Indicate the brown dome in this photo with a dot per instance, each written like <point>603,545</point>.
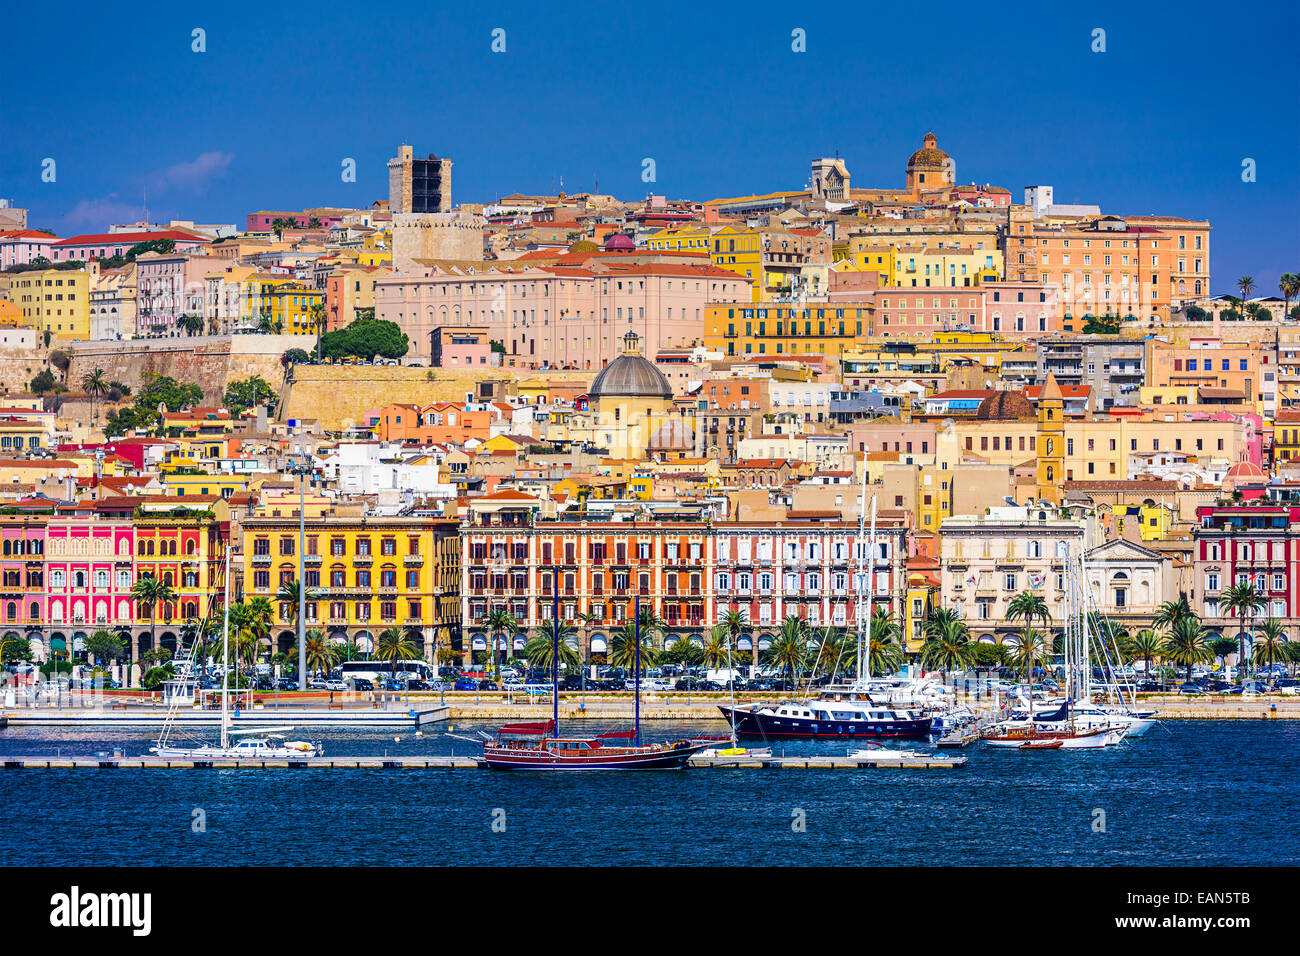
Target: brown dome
<point>1005,406</point>
<point>928,155</point>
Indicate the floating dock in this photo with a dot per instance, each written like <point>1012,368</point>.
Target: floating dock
<point>416,715</point>
<point>876,761</point>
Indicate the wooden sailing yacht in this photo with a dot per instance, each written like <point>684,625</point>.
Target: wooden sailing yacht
<point>537,746</point>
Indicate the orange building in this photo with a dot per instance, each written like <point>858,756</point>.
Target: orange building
<point>437,423</point>
<point>1140,265</point>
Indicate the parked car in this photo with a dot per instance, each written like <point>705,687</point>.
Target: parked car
<point>361,683</point>
<point>465,683</point>
<point>318,683</point>
<point>1191,689</point>
<point>335,684</point>
<point>486,684</point>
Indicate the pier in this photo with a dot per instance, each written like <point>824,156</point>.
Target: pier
<point>883,760</point>
<point>377,714</point>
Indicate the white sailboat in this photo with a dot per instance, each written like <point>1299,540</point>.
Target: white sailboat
<point>261,743</point>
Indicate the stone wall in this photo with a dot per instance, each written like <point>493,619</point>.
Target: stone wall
<point>212,362</point>
<point>339,395</point>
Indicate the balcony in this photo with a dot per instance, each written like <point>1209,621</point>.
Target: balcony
<point>311,559</point>
<point>261,560</point>
<point>413,560</point>
<point>365,559</point>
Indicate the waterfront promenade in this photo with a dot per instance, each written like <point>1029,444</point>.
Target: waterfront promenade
<point>418,709</point>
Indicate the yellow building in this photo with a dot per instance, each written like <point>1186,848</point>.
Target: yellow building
<point>777,261</point>
<point>681,239</point>
<point>363,575</point>
<point>183,484</point>
<point>56,301</point>
<point>813,329</point>
<point>290,306</point>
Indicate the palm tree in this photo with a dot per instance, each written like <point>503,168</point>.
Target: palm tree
<point>500,622</point>
<point>1243,600</point>
<point>789,652</point>
<point>318,316</point>
<point>623,647</point>
<point>1288,283</point>
<point>1272,643</point>
<point>1035,647</point>
<point>540,651</point>
<point>840,652</point>
<point>734,622</point>
<point>1246,285</point>
<point>395,645</point>
<point>1028,607</point>
<point>717,647</point>
<point>1169,613</point>
<point>1144,646</point>
<point>94,384</point>
<point>321,655</point>
<point>947,644</point>
<point>884,655</point>
<point>288,596</point>
<point>149,592</point>
<point>1188,643</point>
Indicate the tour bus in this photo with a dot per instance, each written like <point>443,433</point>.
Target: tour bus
<point>382,670</point>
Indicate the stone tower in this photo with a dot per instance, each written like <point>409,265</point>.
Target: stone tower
<point>418,185</point>
<point>1051,441</point>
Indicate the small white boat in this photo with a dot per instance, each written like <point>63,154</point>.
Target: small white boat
<point>258,744</point>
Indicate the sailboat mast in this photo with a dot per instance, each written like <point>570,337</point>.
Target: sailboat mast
<point>225,650</point>
<point>636,673</point>
<point>858,548</point>
<point>555,651</point>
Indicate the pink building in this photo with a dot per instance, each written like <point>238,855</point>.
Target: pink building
<point>169,286</point>
<point>22,570</point>
<point>562,316</point>
<point>89,571</point>
<point>104,245</point>
<point>1007,308</point>
<point>463,347</point>
<point>906,438</point>
<point>20,246</point>
<point>261,220</point>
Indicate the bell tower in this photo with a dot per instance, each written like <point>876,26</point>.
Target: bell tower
<point>1051,441</point>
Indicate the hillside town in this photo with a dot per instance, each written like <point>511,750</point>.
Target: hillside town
<point>454,423</point>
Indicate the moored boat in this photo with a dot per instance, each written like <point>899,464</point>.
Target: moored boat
<point>827,717</point>
<point>533,746</point>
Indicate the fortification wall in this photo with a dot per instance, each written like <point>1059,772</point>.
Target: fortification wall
<point>212,362</point>
<point>339,395</point>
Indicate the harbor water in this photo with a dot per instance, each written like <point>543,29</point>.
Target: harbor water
<point>1189,793</point>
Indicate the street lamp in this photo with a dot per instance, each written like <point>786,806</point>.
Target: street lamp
<point>302,466</point>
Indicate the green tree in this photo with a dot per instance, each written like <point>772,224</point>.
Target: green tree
<point>94,384</point>
<point>248,393</point>
<point>947,644</point>
<point>365,339</point>
<point>1243,600</point>
<point>395,645</point>
<point>191,323</point>
<point>682,651</point>
<point>1034,648</point>
<point>44,381</point>
<point>885,655</point>
<point>149,592</point>
<point>500,622</point>
<point>623,647</point>
<point>1270,644</point>
<point>106,646</point>
<point>1187,644</point>
<point>540,651</point>
<point>1145,646</point>
<point>1288,283</point>
<point>790,652</point>
<point>1246,285</point>
<point>1169,613</point>
<point>717,647</point>
<point>1222,647</point>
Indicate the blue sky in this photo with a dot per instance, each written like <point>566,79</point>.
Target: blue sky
<point>1159,123</point>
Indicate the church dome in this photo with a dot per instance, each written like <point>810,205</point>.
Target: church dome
<point>1246,470</point>
<point>630,376</point>
<point>620,242</point>
<point>929,154</point>
<point>1005,406</point>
